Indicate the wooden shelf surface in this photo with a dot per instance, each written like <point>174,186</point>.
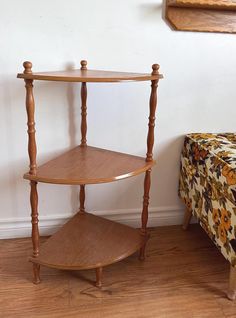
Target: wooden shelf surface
<point>204,4</point>
<point>202,15</point>
<point>89,165</point>
<point>89,76</point>
<point>88,241</point>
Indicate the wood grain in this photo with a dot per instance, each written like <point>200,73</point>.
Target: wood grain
<point>149,157</point>
<point>204,4</point>
<point>144,217</point>
<point>152,112</point>
<point>88,241</point>
<point>89,76</point>
<point>184,276</point>
<point>30,109</point>
<point>201,18</point>
<point>83,127</point>
<point>35,229</point>
<point>82,198</point>
<point>89,165</point>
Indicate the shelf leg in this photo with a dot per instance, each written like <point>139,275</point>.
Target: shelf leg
<point>83,126</point>
<point>36,273</point>
<point>187,219</point>
<point>147,184</point>
<point>35,230</point>
<point>98,277</point>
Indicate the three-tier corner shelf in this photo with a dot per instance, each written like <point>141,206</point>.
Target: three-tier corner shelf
<point>87,241</point>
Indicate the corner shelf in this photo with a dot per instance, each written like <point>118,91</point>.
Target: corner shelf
<point>87,241</point>
<point>202,15</point>
<point>90,165</point>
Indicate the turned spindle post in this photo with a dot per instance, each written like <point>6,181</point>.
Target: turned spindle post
<point>35,230</point>
<point>30,108</point>
<point>149,157</point>
<point>98,277</point>
<point>152,112</point>
<point>82,198</point>
<point>83,128</point>
<point>83,107</point>
<point>32,151</point>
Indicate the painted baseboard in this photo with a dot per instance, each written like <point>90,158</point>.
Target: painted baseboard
<point>161,216</point>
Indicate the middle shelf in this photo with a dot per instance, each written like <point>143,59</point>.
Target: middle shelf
<point>89,165</point>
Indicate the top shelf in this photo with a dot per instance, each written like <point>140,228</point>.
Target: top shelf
<point>89,76</point>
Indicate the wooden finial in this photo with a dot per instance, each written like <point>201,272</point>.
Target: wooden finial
<point>83,65</point>
<point>155,69</point>
<point>28,67</point>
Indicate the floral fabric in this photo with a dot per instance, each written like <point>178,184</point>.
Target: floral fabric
<point>207,185</point>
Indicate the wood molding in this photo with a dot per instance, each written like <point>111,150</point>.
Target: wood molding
<point>202,16</point>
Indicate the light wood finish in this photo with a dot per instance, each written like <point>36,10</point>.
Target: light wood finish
<point>32,151</point>
<point>205,4</point>
<point>149,157</point>
<point>83,64</point>
<point>184,276</point>
<point>89,241</point>
<point>35,229</point>
<point>82,198</point>
<point>83,128</point>
<point>152,111</point>
<point>232,284</point>
<point>34,217</point>
<point>147,185</point>
<point>30,109</point>
<point>83,107</point>
<point>89,165</point>
<point>187,219</point>
<point>89,76</point>
<point>203,16</point>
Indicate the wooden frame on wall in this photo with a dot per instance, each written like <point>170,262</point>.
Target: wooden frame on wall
<point>202,15</point>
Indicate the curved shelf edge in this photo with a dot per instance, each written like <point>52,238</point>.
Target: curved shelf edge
<point>91,76</point>
<point>78,267</point>
<point>90,165</point>
<point>36,178</point>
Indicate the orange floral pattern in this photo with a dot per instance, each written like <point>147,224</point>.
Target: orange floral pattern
<point>207,186</point>
<point>222,234</point>
<point>215,216</point>
<point>229,174</point>
<point>226,219</point>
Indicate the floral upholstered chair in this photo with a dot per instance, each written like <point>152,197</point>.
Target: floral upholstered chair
<point>207,186</point>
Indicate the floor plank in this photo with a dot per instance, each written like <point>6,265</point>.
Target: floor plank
<point>184,276</point>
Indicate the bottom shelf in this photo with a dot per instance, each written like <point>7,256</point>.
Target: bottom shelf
<point>88,241</point>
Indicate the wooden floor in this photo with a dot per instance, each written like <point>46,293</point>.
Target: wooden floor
<point>184,275</point>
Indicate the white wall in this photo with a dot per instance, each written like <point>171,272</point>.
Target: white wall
<point>197,94</point>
